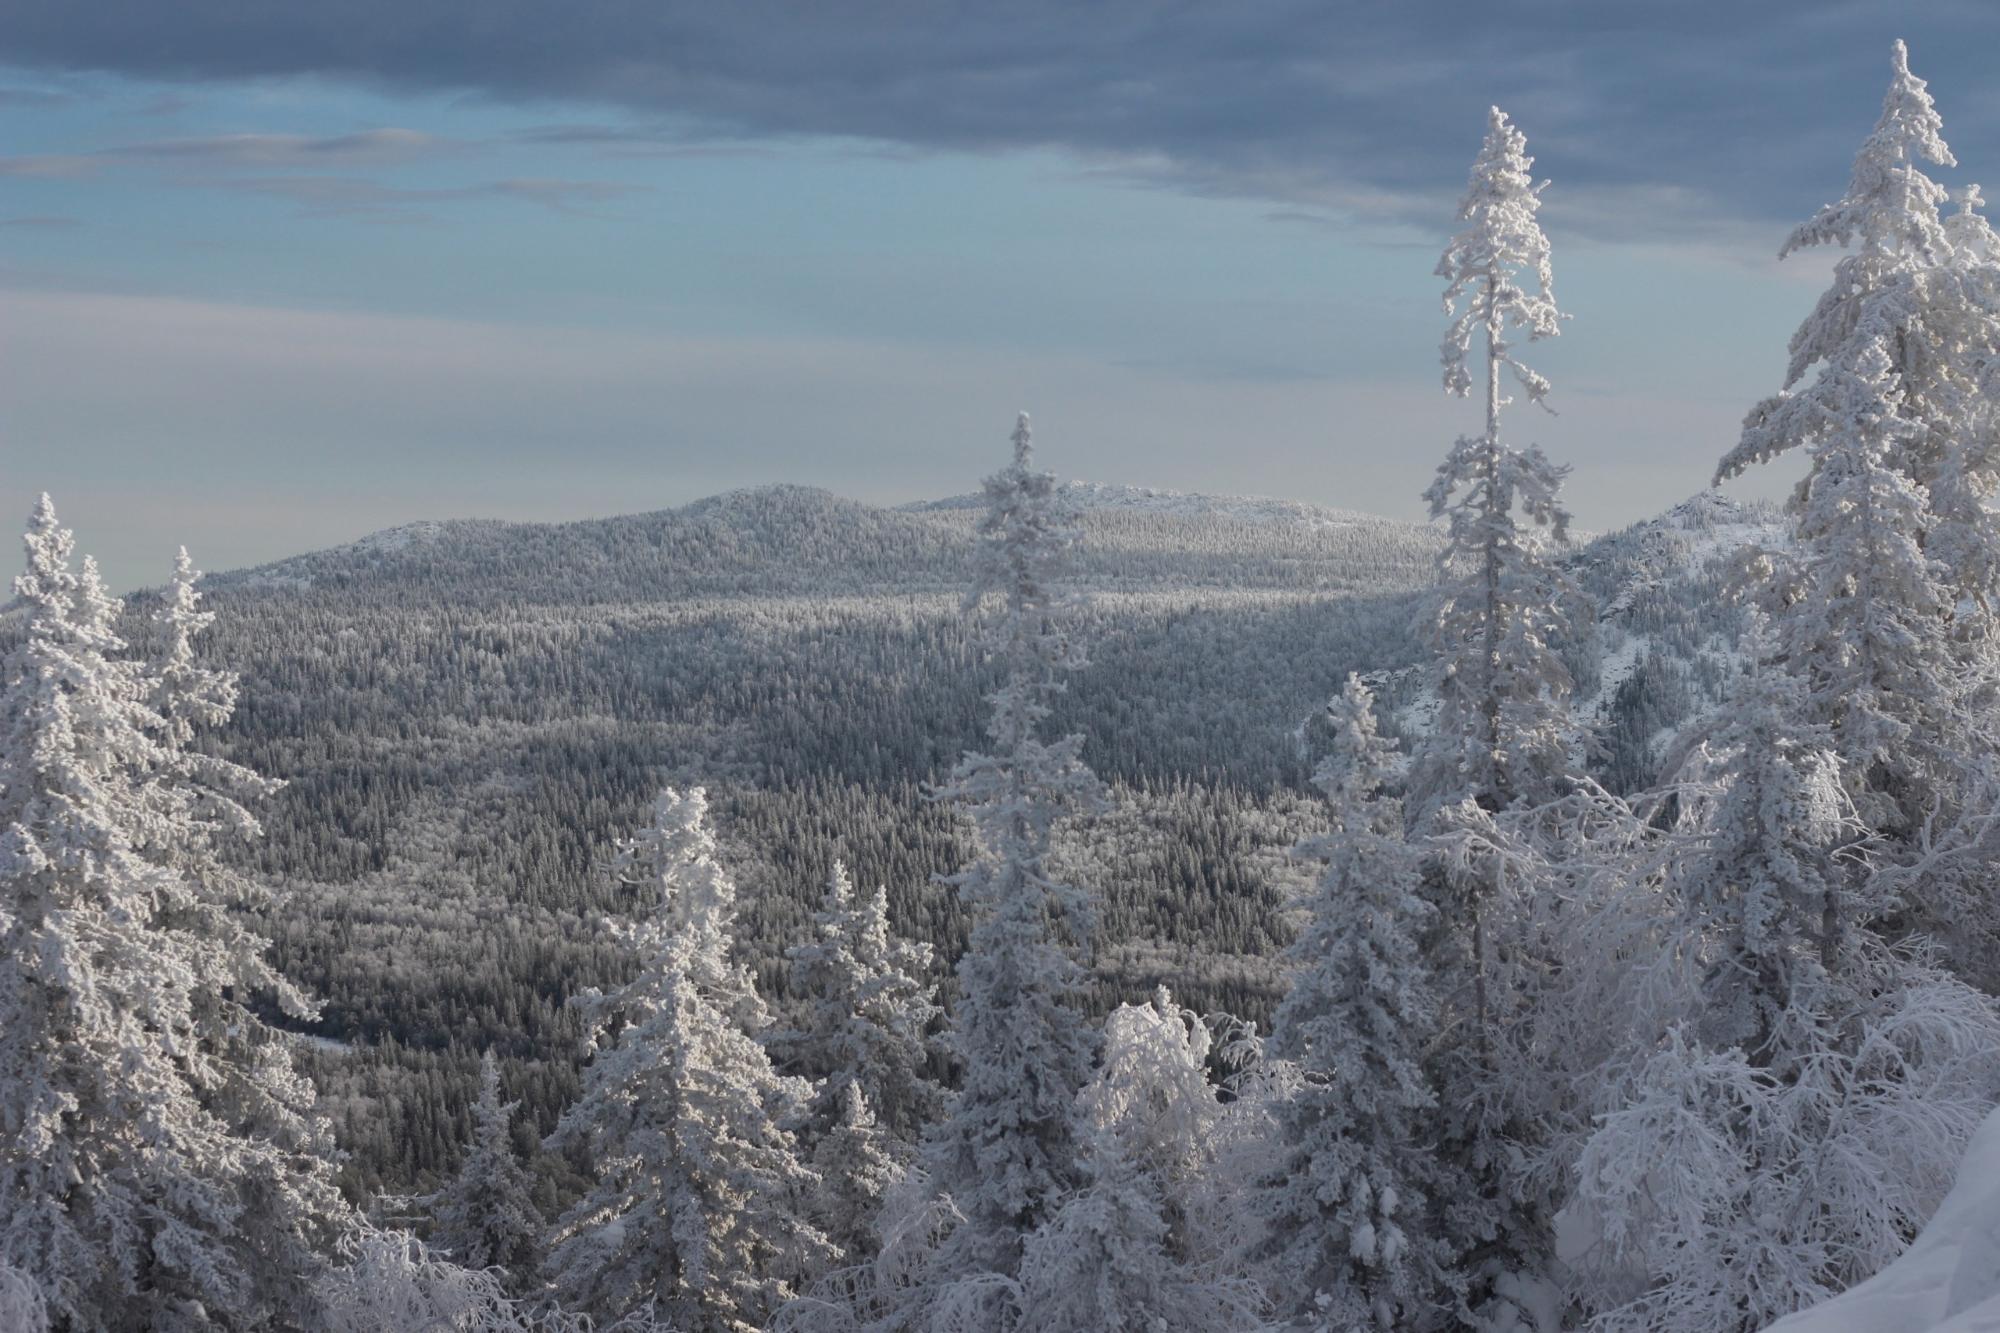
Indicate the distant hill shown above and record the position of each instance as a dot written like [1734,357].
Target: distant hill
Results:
[797,540]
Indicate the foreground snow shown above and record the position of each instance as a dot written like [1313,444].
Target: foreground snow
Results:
[1949,1279]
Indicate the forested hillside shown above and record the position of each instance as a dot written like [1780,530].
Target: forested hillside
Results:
[467,714]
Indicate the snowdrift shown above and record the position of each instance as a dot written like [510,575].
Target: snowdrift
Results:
[1948,1281]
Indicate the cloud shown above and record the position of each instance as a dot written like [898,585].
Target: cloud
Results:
[43,222]
[31,99]
[1750,109]
[372,201]
[163,105]
[45,166]
[244,152]
[250,159]
[638,140]
[383,147]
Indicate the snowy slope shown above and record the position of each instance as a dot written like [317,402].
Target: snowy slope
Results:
[1948,1281]
[1659,587]
[1664,645]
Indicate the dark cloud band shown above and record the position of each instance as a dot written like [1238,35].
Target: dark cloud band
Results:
[1751,109]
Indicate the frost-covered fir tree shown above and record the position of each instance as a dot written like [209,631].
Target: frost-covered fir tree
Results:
[872,1005]
[1503,727]
[486,1217]
[1901,349]
[198,811]
[1809,1087]
[21,1305]
[1973,241]
[1008,1152]
[1861,605]
[162,1163]
[857,1165]
[1349,1241]
[699,1211]
[1104,1263]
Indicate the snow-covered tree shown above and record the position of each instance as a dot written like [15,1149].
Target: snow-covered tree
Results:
[1860,606]
[857,1165]
[1349,1240]
[1899,554]
[1153,1097]
[162,1164]
[1503,728]
[1503,731]
[699,1211]
[486,1217]
[1008,1152]
[1104,1263]
[21,1305]
[872,1007]
[391,1282]
[198,812]
[1502,736]
[1973,241]
[1809,1087]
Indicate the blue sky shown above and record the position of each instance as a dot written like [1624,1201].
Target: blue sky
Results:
[277,276]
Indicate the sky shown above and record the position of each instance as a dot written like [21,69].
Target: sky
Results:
[276,276]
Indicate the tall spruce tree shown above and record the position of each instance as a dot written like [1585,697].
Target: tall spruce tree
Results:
[1502,737]
[698,1215]
[163,1167]
[1010,1149]
[1503,728]
[1008,1152]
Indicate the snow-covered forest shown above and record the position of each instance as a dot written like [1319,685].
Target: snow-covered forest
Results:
[1062,908]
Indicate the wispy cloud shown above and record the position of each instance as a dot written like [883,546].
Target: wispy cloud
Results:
[42,222]
[31,99]
[637,141]
[372,201]
[380,147]
[46,166]
[247,152]
[316,172]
